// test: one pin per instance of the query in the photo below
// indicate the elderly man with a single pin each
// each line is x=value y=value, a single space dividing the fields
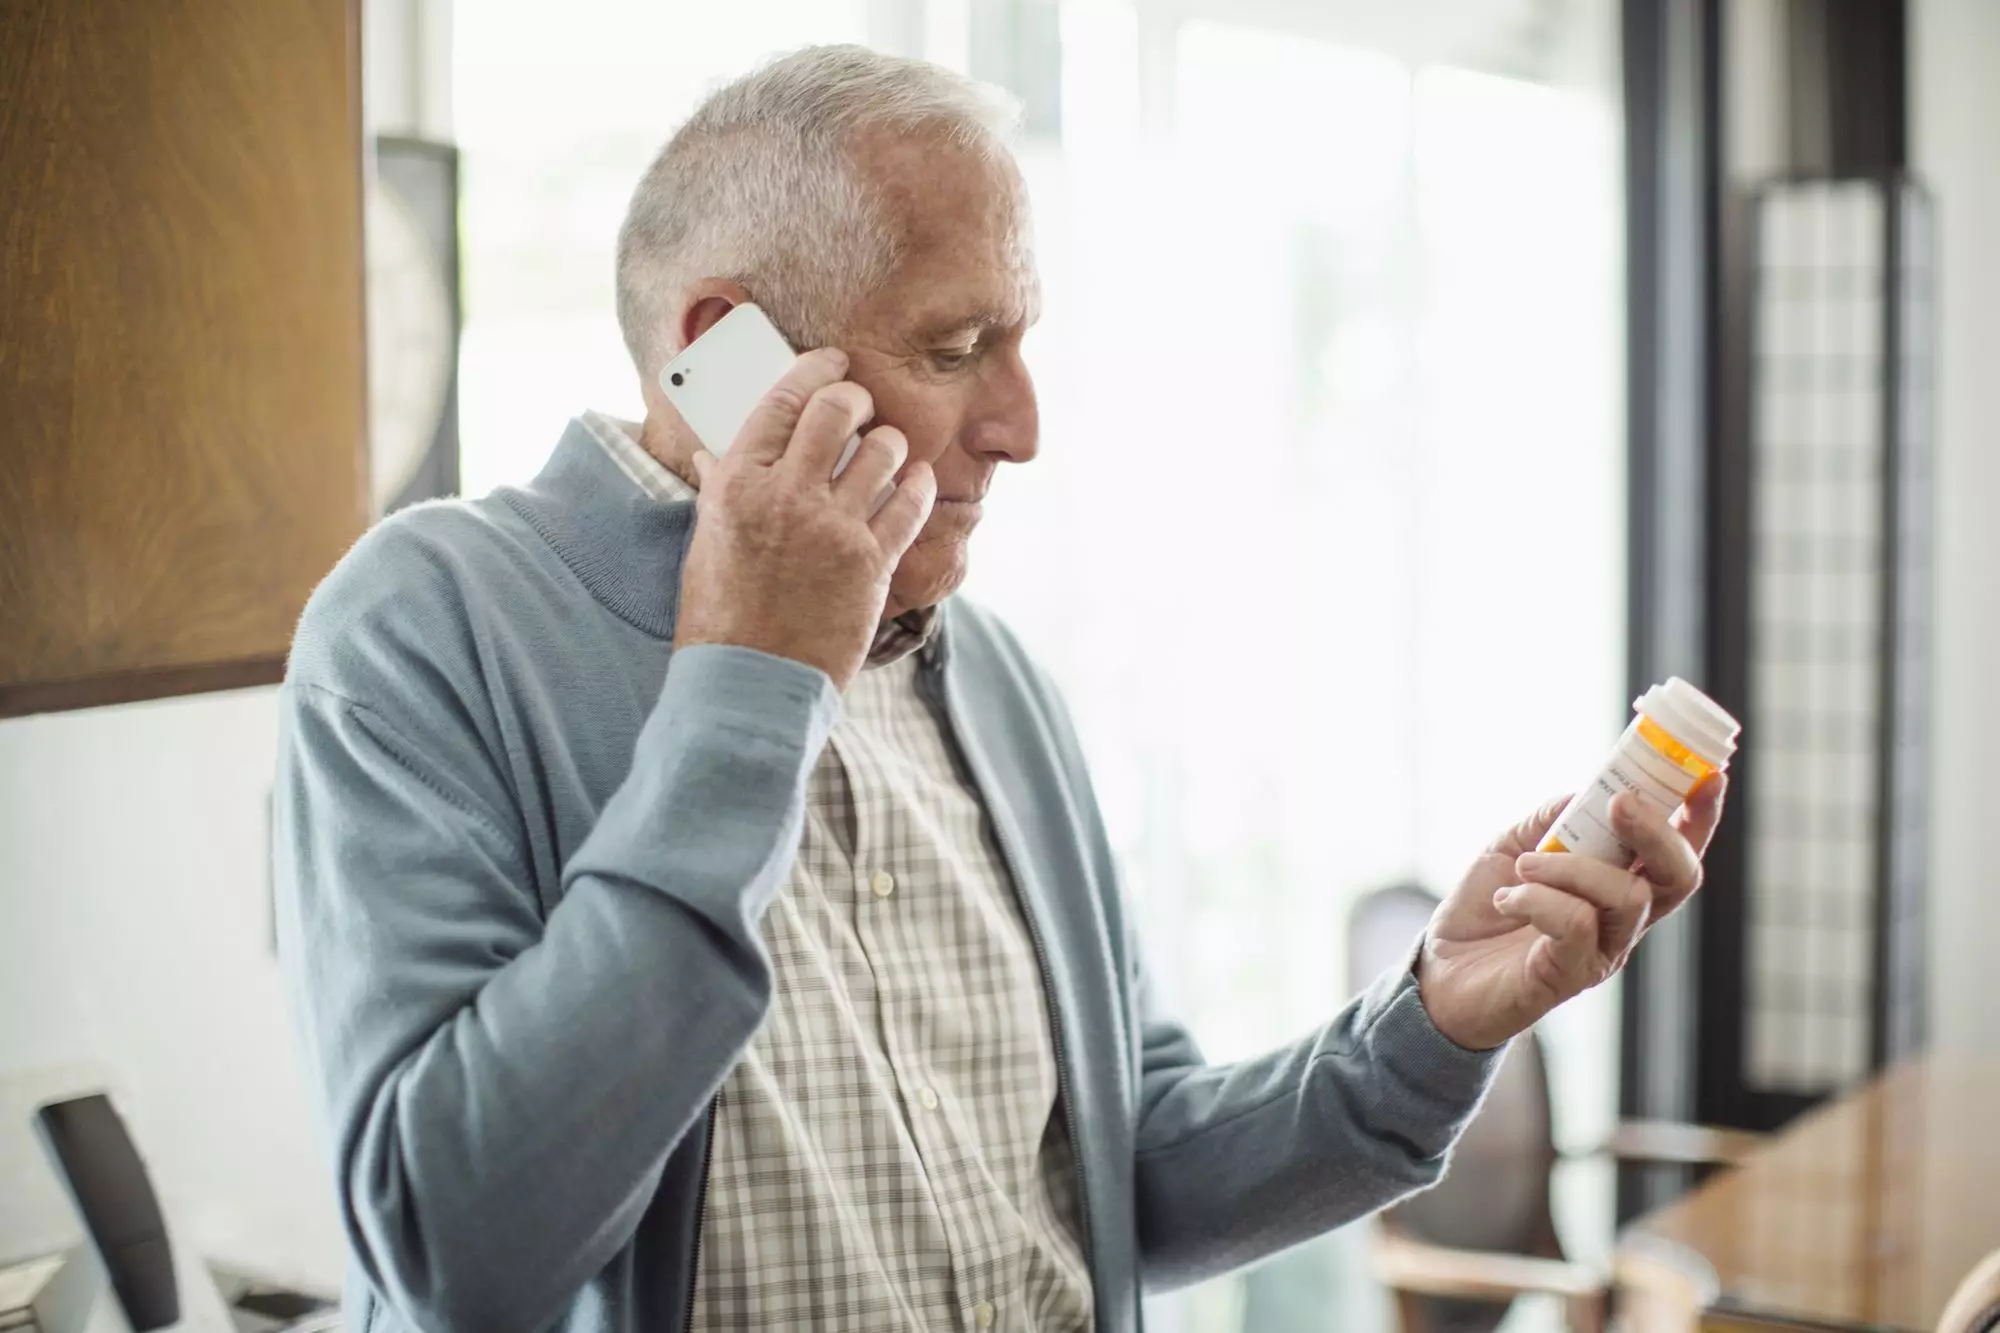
x=697 y=918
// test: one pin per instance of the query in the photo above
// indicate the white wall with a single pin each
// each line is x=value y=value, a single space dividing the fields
x=1955 y=108
x=134 y=915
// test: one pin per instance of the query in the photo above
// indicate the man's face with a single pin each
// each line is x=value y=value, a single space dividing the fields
x=939 y=345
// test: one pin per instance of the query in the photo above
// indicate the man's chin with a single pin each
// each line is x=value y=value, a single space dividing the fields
x=929 y=573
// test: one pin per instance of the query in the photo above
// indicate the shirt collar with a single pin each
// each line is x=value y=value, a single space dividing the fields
x=894 y=640
x=620 y=439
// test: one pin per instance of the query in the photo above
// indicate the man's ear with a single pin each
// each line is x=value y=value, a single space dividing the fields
x=708 y=301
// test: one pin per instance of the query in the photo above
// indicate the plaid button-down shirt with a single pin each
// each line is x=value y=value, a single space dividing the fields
x=890 y=1153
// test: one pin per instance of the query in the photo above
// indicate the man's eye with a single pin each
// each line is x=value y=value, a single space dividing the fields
x=953 y=358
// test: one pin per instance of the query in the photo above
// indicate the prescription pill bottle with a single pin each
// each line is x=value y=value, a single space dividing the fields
x=1679 y=737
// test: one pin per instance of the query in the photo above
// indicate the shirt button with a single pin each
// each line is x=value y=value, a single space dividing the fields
x=982 y=1314
x=928 y=1096
x=882 y=883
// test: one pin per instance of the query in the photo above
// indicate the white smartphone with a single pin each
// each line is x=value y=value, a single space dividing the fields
x=720 y=377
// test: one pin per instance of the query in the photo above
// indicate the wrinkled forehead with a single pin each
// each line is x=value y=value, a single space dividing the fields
x=962 y=225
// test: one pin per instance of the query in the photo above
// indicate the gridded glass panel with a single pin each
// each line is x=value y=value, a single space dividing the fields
x=1816 y=633
x=1839 y=477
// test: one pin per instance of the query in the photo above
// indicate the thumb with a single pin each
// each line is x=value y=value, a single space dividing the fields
x=1702 y=811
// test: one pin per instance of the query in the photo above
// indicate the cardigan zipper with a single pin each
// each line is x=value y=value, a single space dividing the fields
x=700 y=1215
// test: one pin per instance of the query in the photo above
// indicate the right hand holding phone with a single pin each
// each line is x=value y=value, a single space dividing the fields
x=786 y=559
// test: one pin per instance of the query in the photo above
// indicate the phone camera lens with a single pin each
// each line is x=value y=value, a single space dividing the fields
x=677 y=377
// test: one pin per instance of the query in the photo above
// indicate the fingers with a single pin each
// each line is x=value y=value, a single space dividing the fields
x=1568 y=922
x=1620 y=901
x=831 y=417
x=872 y=470
x=1528 y=834
x=1665 y=857
x=767 y=432
x=905 y=512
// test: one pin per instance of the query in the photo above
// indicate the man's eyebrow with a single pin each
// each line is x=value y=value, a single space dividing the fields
x=977 y=321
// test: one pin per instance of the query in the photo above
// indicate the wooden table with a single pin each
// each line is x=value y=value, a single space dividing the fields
x=1865 y=1214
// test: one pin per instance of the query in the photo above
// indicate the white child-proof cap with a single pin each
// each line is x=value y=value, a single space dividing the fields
x=1692 y=718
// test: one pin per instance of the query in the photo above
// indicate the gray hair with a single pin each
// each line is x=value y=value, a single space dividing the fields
x=759 y=187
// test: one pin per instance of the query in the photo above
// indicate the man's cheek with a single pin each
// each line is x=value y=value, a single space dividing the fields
x=930 y=445
x=928 y=429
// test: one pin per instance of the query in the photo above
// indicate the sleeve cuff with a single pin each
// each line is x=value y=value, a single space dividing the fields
x=751 y=692
x=1417 y=1056
x=711 y=809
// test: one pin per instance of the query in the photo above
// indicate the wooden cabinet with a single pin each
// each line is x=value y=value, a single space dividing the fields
x=182 y=411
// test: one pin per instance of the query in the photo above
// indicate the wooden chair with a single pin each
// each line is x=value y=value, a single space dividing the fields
x=1456 y=1256
x=1975 y=1306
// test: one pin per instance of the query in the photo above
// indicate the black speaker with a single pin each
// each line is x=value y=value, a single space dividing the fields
x=113 y=1193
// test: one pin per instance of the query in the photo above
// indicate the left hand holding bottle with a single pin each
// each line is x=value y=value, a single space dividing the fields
x=1526 y=930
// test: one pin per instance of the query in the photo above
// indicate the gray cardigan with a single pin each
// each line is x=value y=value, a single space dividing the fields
x=523 y=851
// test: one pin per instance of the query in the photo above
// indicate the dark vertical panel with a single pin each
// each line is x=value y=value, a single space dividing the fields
x=1725 y=583
x=1901 y=1000
x=1641 y=39
x=1888 y=681
x=1667 y=128
x=1866 y=101
x=1640 y=44
x=1721 y=997
x=1845 y=101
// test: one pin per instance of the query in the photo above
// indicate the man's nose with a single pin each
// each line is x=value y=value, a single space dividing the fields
x=1010 y=426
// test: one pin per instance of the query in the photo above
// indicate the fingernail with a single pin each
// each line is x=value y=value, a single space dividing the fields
x=1501 y=897
x=1528 y=863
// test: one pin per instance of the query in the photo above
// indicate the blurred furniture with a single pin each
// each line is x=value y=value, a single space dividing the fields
x=1455 y=1257
x=64 y=1293
x=90 y=1146
x=181 y=340
x=85 y=1241
x=1866 y=1214
x=1975 y=1306
x=260 y=1306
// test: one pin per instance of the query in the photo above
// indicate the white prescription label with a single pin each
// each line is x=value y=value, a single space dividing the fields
x=1636 y=765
